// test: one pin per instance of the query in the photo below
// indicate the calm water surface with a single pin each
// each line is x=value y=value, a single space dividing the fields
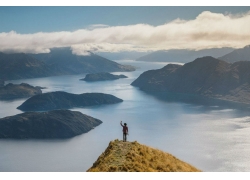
x=210 y=137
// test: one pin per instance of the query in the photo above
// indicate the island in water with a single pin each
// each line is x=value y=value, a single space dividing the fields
x=46 y=125
x=102 y=77
x=206 y=76
x=134 y=157
x=16 y=91
x=63 y=100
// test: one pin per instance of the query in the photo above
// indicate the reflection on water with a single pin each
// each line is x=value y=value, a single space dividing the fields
x=202 y=132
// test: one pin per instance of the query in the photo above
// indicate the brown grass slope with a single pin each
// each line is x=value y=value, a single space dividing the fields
x=134 y=157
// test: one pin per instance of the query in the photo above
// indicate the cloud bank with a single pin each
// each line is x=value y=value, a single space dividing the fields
x=207 y=30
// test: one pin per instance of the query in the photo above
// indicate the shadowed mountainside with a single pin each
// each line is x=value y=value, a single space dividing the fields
x=21 y=66
x=183 y=55
x=14 y=91
x=134 y=157
x=46 y=125
x=62 y=59
x=242 y=54
x=205 y=76
x=64 y=100
x=102 y=77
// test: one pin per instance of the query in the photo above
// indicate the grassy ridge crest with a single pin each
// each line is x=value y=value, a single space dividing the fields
x=134 y=157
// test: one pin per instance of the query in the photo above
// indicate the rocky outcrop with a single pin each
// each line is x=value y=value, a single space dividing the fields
x=134 y=157
x=205 y=76
x=46 y=125
x=102 y=77
x=64 y=100
x=15 y=91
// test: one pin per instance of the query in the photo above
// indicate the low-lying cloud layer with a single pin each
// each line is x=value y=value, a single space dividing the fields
x=207 y=30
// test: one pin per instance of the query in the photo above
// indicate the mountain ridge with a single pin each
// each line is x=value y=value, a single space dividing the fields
x=206 y=76
x=122 y=156
x=65 y=60
x=183 y=55
x=60 y=61
x=242 y=54
x=21 y=66
x=15 y=91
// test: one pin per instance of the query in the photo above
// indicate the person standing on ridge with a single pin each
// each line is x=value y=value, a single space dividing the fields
x=125 y=131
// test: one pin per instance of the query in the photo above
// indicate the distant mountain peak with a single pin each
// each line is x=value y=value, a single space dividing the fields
x=183 y=55
x=59 y=61
x=241 y=54
x=206 y=58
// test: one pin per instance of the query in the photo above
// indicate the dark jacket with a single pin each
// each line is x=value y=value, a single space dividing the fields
x=124 y=129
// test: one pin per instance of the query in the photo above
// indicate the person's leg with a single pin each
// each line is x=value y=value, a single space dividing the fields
x=123 y=136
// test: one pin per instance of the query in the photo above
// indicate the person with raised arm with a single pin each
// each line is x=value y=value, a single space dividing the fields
x=125 y=131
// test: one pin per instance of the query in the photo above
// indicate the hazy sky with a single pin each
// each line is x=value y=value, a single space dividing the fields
x=114 y=29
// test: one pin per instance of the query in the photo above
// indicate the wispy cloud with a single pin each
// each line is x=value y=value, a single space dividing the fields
x=207 y=30
x=95 y=26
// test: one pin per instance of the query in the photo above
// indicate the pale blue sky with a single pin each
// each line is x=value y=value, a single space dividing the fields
x=36 y=29
x=49 y=19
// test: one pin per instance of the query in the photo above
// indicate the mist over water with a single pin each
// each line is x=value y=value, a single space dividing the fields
x=207 y=134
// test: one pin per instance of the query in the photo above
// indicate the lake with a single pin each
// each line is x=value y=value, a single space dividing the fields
x=209 y=136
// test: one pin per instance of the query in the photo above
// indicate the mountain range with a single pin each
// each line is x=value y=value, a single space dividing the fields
x=242 y=54
x=20 y=66
x=60 y=61
x=206 y=76
x=183 y=55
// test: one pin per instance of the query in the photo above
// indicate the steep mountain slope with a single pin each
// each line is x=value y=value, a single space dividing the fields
x=242 y=54
x=23 y=90
x=46 y=125
x=20 y=66
x=205 y=76
x=62 y=59
x=134 y=157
